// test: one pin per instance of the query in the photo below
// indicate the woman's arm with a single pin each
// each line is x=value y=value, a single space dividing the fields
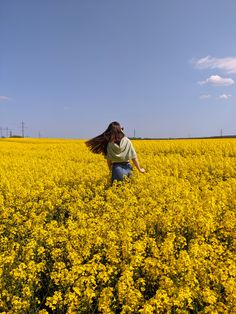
x=136 y=163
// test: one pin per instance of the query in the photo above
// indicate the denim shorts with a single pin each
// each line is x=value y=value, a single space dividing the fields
x=120 y=171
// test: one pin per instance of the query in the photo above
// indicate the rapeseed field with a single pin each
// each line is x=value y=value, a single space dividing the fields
x=161 y=242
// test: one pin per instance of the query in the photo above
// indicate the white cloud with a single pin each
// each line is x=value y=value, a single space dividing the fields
x=227 y=64
x=217 y=80
x=205 y=96
x=225 y=96
x=4 y=98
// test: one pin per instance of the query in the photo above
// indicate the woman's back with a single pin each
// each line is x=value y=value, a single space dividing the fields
x=122 y=152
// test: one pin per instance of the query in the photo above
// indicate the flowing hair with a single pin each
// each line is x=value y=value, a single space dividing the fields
x=98 y=144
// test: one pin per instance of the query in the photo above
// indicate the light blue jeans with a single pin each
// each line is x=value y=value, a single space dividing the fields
x=120 y=171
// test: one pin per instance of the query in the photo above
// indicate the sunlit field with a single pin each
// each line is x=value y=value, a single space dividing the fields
x=161 y=242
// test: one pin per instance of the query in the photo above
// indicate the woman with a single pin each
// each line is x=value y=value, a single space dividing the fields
x=117 y=149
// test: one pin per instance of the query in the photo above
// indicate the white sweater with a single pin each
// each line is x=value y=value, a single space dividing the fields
x=121 y=153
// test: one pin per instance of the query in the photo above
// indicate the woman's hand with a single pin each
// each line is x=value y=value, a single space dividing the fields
x=136 y=163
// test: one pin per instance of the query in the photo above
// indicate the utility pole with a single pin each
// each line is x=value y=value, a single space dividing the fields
x=23 y=129
x=1 y=132
x=134 y=133
x=221 y=132
x=7 y=131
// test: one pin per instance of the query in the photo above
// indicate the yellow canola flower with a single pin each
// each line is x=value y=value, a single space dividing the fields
x=162 y=242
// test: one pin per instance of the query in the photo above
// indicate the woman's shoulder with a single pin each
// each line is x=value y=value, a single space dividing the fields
x=125 y=138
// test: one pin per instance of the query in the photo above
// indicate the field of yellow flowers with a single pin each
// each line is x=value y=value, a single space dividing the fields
x=162 y=242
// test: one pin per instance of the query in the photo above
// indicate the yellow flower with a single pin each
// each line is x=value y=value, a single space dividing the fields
x=162 y=242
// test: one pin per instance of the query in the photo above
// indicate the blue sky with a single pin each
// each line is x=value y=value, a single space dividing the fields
x=164 y=68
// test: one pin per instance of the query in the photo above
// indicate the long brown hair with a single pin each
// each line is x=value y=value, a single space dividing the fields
x=98 y=144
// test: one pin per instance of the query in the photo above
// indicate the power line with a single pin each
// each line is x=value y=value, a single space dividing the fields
x=23 y=129
x=7 y=132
